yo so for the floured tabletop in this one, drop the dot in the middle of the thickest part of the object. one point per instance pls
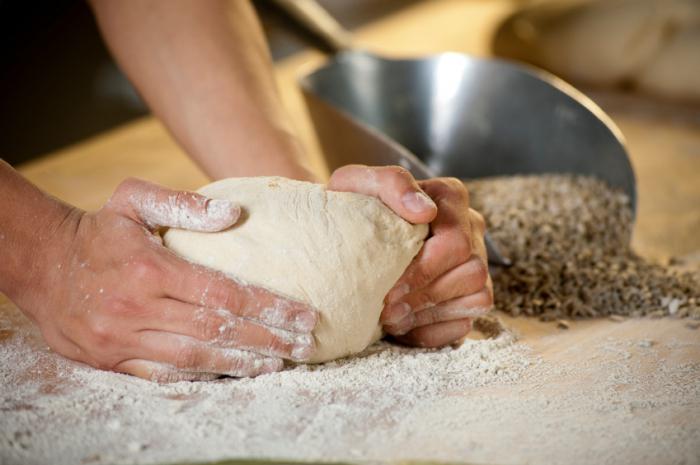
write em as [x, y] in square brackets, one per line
[601, 391]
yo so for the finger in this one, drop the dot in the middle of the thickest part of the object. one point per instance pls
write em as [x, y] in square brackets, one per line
[469, 306]
[465, 279]
[60, 343]
[478, 223]
[220, 328]
[161, 373]
[157, 206]
[440, 253]
[189, 354]
[437, 335]
[204, 287]
[451, 242]
[393, 185]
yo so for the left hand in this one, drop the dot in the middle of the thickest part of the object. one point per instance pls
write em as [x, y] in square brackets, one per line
[447, 283]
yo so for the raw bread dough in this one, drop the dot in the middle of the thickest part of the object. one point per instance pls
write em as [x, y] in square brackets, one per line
[339, 252]
[649, 44]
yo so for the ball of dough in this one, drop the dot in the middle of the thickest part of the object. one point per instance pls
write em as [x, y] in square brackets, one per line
[339, 252]
[649, 44]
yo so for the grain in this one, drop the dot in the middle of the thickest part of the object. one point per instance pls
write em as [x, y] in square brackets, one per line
[569, 241]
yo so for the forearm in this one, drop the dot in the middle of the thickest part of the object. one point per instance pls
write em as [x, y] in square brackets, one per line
[29, 223]
[204, 69]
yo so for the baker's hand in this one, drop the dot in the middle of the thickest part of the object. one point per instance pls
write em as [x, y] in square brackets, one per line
[447, 283]
[117, 299]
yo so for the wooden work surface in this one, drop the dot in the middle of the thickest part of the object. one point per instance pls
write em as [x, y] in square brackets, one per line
[665, 153]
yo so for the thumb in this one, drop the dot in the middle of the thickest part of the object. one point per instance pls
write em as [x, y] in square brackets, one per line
[157, 206]
[393, 185]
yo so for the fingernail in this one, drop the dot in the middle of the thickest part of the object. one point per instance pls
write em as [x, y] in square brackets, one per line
[417, 202]
[222, 209]
[305, 322]
[404, 326]
[397, 292]
[303, 348]
[397, 312]
[271, 365]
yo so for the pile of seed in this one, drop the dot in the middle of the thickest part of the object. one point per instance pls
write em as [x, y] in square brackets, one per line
[569, 241]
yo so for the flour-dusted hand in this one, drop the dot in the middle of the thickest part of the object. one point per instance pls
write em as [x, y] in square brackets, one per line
[448, 283]
[117, 299]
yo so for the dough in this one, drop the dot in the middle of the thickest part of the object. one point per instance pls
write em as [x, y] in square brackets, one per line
[675, 73]
[339, 252]
[647, 44]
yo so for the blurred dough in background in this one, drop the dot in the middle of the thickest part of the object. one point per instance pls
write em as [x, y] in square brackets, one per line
[648, 45]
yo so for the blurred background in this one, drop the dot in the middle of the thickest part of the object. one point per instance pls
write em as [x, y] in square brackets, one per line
[60, 86]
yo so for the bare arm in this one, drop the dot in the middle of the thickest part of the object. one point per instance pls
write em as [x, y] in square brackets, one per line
[204, 69]
[29, 223]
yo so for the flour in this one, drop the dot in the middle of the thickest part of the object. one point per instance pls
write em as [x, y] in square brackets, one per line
[101, 417]
[184, 210]
[489, 401]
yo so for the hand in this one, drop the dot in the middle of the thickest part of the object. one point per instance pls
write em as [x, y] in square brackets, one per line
[447, 283]
[117, 299]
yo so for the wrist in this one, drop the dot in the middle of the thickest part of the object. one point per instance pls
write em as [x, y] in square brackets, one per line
[36, 231]
[48, 259]
[276, 153]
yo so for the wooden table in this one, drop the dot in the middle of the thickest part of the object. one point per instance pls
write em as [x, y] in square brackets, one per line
[665, 153]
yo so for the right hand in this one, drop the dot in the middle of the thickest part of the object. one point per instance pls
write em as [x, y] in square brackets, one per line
[117, 299]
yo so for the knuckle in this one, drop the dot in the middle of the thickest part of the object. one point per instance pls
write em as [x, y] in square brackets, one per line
[461, 246]
[348, 170]
[239, 366]
[397, 174]
[187, 357]
[420, 276]
[454, 188]
[120, 307]
[145, 268]
[454, 184]
[121, 196]
[217, 290]
[245, 364]
[396, 170]
[210, 327]
[189, 199]
[429, 316]
[126, 187]
[231, 299]
[279, 346]
[423, 298]
[101, 333]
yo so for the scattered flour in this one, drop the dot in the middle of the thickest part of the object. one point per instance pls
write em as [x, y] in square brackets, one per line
[186, 210]
[489, 401]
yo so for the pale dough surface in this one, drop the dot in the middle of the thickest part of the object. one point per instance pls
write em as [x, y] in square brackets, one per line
[651, 44]
[339, 252]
